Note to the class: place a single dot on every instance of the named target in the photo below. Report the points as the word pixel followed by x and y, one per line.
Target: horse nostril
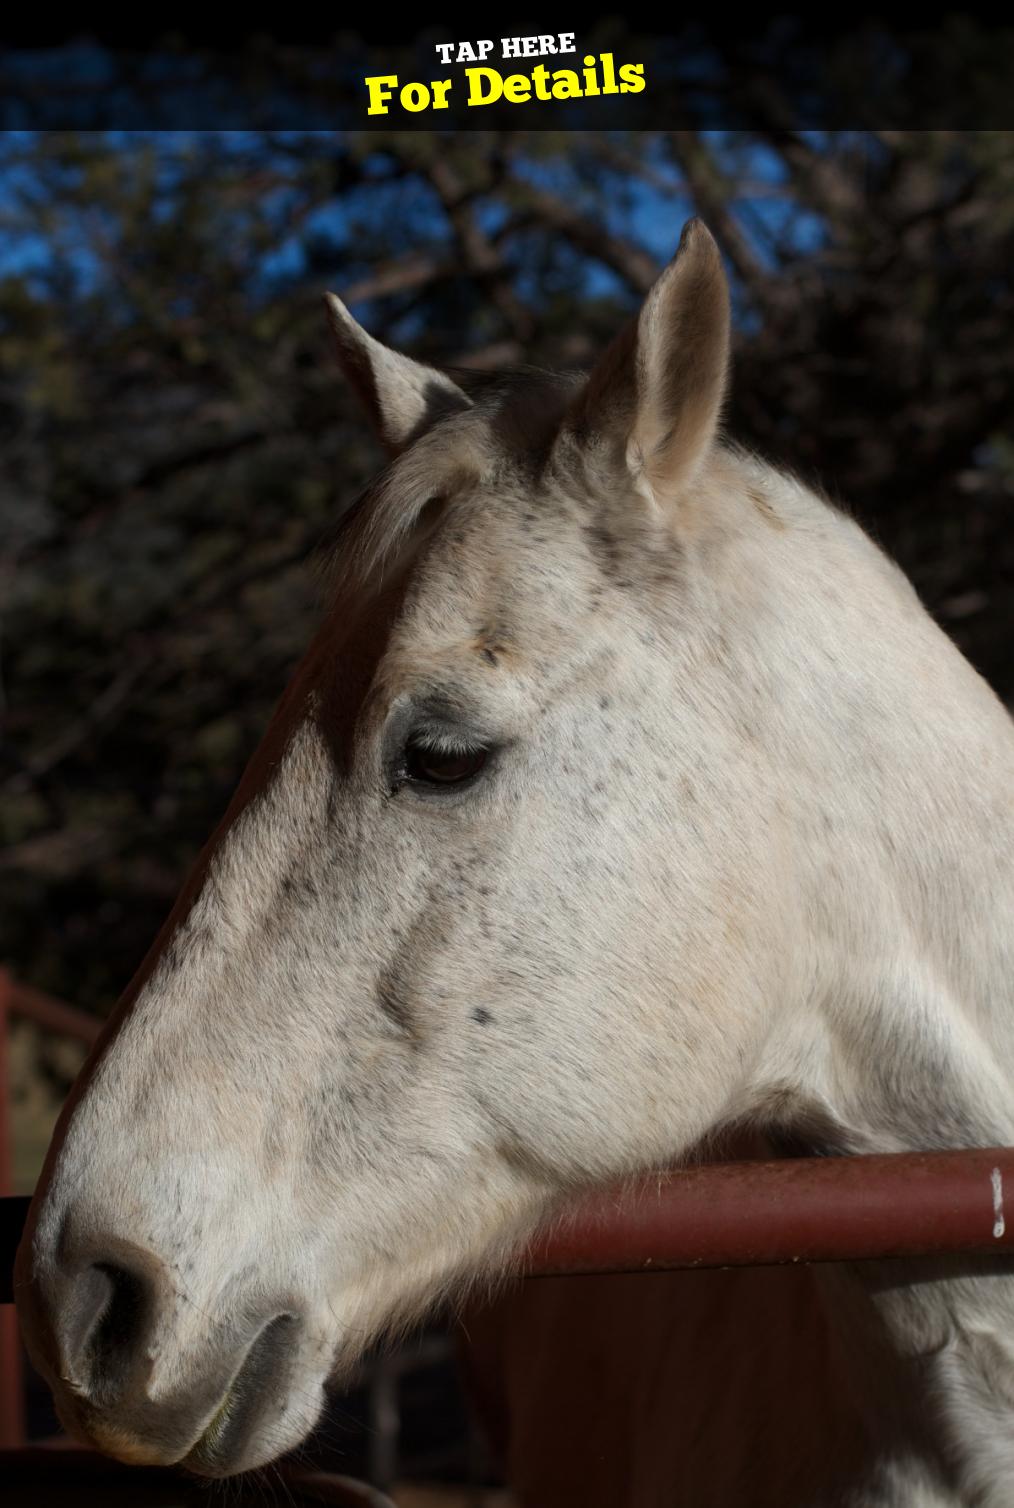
pixel 122 1319
pixel 107 1317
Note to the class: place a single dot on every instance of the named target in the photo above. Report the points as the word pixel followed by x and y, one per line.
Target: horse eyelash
pixel 445 741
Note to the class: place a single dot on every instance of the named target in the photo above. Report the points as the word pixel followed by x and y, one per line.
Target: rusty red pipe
pixel 52 1015
pixel 819 1209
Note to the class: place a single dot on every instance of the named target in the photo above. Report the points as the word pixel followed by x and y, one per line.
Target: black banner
pixel 864 72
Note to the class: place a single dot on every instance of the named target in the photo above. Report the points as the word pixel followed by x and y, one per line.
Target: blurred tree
pixel 175 440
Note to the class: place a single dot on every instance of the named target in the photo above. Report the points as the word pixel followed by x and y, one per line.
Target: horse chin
pixel 225 1456
pixel 252 1430
pixel 272 1404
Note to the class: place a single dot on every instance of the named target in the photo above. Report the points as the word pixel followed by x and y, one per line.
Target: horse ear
pixel 656 394
pixel 403 397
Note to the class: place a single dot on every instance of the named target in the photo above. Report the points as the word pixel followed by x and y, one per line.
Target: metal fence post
pixel 12 1392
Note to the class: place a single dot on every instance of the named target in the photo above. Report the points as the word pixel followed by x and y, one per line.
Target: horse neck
pixel 900 764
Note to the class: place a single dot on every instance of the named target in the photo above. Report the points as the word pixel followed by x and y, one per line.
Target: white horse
pixel 626 793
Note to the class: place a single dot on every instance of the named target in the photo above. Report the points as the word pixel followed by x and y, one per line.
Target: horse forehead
pixel 501 582
pixel 511 551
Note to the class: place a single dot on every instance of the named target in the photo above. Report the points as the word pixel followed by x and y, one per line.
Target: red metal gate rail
pixel 808 1209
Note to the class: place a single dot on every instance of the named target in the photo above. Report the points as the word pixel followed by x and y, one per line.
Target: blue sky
pixel 649 213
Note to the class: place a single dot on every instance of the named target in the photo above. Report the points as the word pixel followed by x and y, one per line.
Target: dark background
pixel 175 441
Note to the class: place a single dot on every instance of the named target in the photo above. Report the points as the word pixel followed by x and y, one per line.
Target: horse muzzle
pixel 140 1372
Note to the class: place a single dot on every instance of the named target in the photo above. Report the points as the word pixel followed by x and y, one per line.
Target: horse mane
pixel 518 409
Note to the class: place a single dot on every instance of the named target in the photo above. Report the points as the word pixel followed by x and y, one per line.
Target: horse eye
pixel 442 767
